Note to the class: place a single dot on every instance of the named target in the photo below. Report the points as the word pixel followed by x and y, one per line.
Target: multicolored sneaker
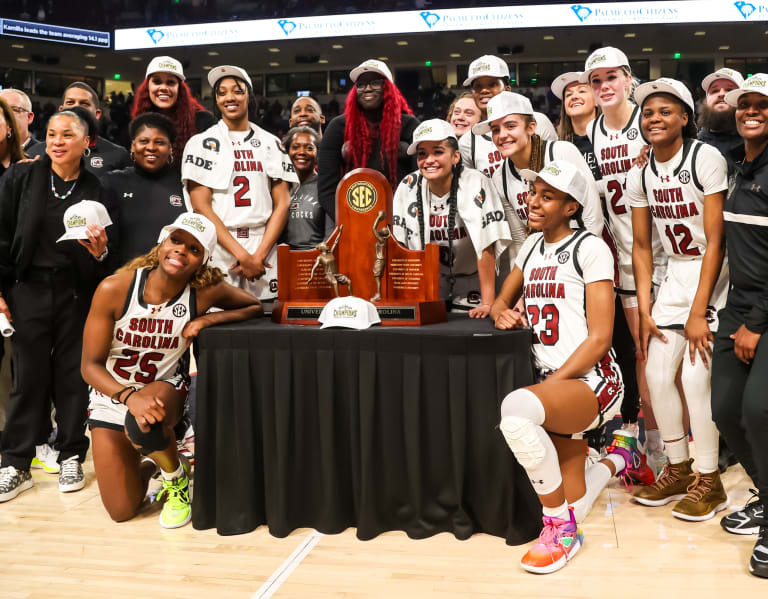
pixel 745 521
pixel 706 496
pixel 558 543
pixel 177 509
pixel 47 458
pixel 13 482
pixel 671 485
pixel 636 470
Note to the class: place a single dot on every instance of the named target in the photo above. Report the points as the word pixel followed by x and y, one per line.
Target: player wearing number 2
pixel 565 278
pixel 681 190
pixel 238 175
pixel 138 329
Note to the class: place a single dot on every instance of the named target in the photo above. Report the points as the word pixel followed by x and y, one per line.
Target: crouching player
pixel 141 321
pixel 565 277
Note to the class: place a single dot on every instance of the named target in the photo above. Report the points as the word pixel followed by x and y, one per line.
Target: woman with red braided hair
pixel 164 90
pixel 374 132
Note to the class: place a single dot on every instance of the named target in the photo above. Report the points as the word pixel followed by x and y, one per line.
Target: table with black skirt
pixel 390 428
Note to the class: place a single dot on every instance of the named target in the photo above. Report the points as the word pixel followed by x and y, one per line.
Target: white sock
pixel 597 476
pixel 171 475
pixel 617 460
pixel 560 511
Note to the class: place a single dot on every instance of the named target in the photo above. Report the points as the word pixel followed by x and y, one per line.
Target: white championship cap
pixel 431 130
pixel 558 85
pixel 604 58
pixel 165 64
pixel 561 175
pixel 227 71
pixel 757 83
pixel 196 225
pixel 370 66
pixel 500 106
pixel 349 312
pixel 78 216
pixel 723 73
pixel 486 66
pixel 665 85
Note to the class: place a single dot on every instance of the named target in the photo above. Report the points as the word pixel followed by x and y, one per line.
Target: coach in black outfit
pixel 740 358
pixel 46 289
pixel 104 155
pixel 148 194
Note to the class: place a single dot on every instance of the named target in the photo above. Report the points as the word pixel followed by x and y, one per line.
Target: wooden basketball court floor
pixel 65 545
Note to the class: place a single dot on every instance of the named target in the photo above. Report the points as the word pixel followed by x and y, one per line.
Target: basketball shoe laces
pixel 665 478
pixel 175 493
pixel 550 534
pixel 700 486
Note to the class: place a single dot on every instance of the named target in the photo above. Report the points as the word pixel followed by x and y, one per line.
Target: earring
pixel 132 158
pixel 87 152
pixel 170 160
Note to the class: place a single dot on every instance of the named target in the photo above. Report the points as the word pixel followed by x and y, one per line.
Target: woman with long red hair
pixel 164 90
pixel 374 132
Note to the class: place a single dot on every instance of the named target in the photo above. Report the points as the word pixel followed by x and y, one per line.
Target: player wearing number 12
pixel 681 190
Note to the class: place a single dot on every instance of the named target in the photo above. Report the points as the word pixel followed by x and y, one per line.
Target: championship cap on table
pixel 349 312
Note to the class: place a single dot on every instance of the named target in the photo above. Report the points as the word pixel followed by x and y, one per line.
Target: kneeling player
pixel 565 277
pixel 141 321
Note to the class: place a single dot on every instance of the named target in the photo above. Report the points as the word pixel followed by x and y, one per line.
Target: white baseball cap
pixel 227 71
pixel 500 106
pixel 431 130
pixel 78 216
pixel 486 66
pixel 603 58
pixel 757 83
pixel 370 66
pixel 165 64
pixel 558 85
pixel 349 312
pixel 561 175
pixel 723 73
pixel 196 225
pixel 665 85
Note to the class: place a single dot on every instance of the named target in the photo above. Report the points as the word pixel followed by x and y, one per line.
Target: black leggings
pixel 740 401
pixel 624 346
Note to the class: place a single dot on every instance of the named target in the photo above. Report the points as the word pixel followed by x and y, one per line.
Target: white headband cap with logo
pixel 563 81
pixel 215 74
pixel 723 73
pixel 165 64
pixel 78 216
pixel 502 105
pixel 486 66
pixel 370 66
pixel 196 225
pixel 665 85
pixel 431 130
pixel 561 175
pixel 604 58
pixel 757 84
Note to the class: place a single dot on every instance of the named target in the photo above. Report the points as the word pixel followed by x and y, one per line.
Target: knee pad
pixel 523 439
pixel 525 404
pixel 149 442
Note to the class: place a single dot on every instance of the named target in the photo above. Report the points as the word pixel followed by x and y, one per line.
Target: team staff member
pixel 136 400
pixel 104 156
pixel 165 91
pixel 238 176
pixel 488 76
pixel 46 289
pixel 308 224
pixel 455 207
pixel 11 150
pixel 740 358
pixel 717 124
pixel 22 110
pixel 374 132
pixel 680 191
pixel 149 194
pixel 306 112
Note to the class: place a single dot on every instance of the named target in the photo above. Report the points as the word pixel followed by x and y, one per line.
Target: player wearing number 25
pixel 134 357
pixel 239 176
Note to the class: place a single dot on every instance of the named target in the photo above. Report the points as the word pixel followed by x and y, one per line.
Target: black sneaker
pixel 747 520
pixel 13 482
pixel 71 477
pixel 758 563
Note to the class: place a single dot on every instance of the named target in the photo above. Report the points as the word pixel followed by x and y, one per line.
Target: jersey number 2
pixel 551 317
pixel 147 371
pixel 244 187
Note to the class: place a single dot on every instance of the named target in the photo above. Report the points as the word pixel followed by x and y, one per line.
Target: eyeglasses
pixel 374 84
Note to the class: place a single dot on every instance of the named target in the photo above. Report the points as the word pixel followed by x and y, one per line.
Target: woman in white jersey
pixel 141 321
pixel 681 191
pixel 238 176
pixel 510 122
pixel 565 278
pixel 445 203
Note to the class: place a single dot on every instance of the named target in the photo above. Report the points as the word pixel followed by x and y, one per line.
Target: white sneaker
pixel 71 477
pixel 13 482
pixel 46 457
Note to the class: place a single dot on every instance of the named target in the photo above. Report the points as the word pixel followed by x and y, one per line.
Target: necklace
pixel 66 195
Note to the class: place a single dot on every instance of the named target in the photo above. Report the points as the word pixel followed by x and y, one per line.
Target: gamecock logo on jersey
pixel 175 201
pixel 97 162
pixel 361 196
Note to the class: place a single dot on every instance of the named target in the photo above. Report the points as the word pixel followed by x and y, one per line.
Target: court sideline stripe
pixel 280 575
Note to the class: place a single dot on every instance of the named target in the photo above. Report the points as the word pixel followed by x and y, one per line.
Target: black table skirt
pixel 383 429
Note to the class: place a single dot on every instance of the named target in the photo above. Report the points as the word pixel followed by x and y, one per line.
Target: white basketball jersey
pixel 247 202
pixel 147 345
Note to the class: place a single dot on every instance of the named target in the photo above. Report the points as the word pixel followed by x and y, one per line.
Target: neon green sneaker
pixel 177 509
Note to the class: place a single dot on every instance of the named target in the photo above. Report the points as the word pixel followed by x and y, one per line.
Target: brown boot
pixel 671 485
pixel 706 496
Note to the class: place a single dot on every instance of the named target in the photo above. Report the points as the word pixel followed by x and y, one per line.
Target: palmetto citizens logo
pixel 581 11
pixel 287 26
pixel 430 18
pixel 745 8
pixel 155 35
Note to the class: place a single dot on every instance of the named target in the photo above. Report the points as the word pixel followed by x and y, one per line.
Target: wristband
pixel 117 397
pixel 125 401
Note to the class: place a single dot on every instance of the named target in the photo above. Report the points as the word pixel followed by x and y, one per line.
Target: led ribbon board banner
pixel 426 21
pixel 54 33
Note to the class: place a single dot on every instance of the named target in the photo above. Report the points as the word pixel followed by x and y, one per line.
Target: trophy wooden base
pixel 392 313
